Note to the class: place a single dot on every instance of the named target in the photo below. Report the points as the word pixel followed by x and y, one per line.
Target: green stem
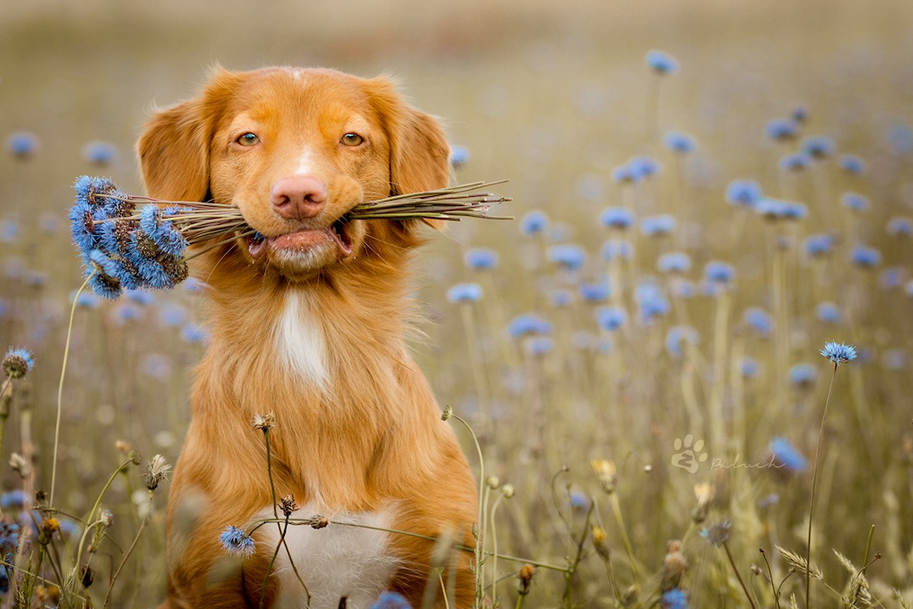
pixel 132 547
pixel 738 575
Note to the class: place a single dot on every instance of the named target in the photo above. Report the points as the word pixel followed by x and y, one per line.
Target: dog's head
pixel 294 150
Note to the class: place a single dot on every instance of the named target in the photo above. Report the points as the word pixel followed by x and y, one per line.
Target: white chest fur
pixel 333 562
pixel 300 340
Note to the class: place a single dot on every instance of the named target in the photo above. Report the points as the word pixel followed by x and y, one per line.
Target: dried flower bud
pixel 264 422
pixel 106 518
pixel 156 471
pixel 493 482
pixel 88 576
pixel 704 493
pixel 287 505
pixel 135 457
pixel 19 465
pixel 46 530
pixel 448 412
pixel 508 490
pixel 674 565
pixel 525 575
pixel 601 542
pixel 606 473
pixel 122 447
pixel 319 522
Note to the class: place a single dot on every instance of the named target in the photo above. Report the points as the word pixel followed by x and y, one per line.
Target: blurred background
pixel 555 97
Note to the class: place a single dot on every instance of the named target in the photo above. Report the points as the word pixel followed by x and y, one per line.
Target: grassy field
pixel 720 360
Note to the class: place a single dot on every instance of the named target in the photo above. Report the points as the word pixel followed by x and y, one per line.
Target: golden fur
pixel 372 437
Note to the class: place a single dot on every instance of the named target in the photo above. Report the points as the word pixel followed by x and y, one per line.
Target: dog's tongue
pixel 256 248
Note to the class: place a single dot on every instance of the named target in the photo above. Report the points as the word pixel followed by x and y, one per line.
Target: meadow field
pixel 638 352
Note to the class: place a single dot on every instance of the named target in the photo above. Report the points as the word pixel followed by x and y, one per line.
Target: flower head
pixel 781 129
pixel 481 258
pixel 100 153
pixel 458 155
pixel 717 534
pixel 616 217
pixel 839 353
pixel 465 292
pixel 523 325
pixel 391 600
pixel 674 599
pixel 655 226
pixel 795 161
pixel 661 63
pixel 744 193
pixel 854 201
pixel 674 262
pixel 22 144
pixel 595 292
pixel 865 257
pixel 17 362
pixel 851 163
pixel 818 245
pixel 156 472
pixel 719 272
pixel 264 422
pixel 803 375
pixel 786 455
pixel 235 541
pixel 533 223
pixel 611 318
pixel 759 319
pixel 680 142
pixel 818 146
pixel 571 257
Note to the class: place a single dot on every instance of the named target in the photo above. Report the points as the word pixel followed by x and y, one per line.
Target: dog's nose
pixel 299 196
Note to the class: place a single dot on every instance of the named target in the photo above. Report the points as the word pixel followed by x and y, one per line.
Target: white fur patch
pixel 305 163
pixel 333 562
pixel 300 340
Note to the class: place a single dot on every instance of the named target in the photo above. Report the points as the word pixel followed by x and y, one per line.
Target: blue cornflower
pixel 103 263
pixel 749 367
pixel 744 193
pixel 391 600
pixel 22 144
pixel 140 297
pixel 900 137
pixel 828 312
pixel 88 188
pixel 661 62
pixel 82 227
pixel 154 223
pixel 523 325
pixel 650 301
pixel 891 277
pixel 674 262
pixel 643 167
pixel 676 598
pixel 17 362
pixel 237 542
pixel 464 292
pixel 106 286
pixel 867 257
pixel 624 174
pixel 571 257
pixel 533 223
pixel 14 499
pixel 85 299
pixel 595 292
pixel 818 146
pixel 794 211
pixel 193 333
pixel 818 245
pixel 481 259
pixel 561 298
pixel 851 163
pixel 611 318
pixel 781 129
pixel 579 500
pixel 800 114
pixel 126 313
pixel 616 217
pixel 854 201
pixel 676 336
pixel 539 345
pixel 100 153
pixel 717 534
pixel 839 353
pixel 719 272
pixel 9 231
pixel 900 227
pixel 803 375
pixel 612 249
pixel 657 225
pixel 172 315
pixel 795 161
pixel 678 141
pixel 458 155
pixel 683 288
pixel 785 455
pixel 9 536
pixel 759 319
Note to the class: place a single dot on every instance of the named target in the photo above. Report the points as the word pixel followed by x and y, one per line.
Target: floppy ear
pixel 419 153
pixel 174 153
pixel 174 147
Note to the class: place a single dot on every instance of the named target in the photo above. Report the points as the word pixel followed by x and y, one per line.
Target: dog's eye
pixel 248 139
pixel 352 139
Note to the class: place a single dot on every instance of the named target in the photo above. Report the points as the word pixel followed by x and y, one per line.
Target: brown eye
pixel 352 139
pixel 248 139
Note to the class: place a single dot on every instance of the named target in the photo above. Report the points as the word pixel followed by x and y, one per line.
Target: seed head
pixel 236 542
pixel 17 362
pixel 264 422
pixel 674 565
pixel 156 471
pixel 606 473
pixel 525 575
pixel 601 542
pixel 839 353
pixel 319 522
pixel 288 505
pixel 448 412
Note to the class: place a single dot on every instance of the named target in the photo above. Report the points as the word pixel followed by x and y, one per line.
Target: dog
pixel 307 321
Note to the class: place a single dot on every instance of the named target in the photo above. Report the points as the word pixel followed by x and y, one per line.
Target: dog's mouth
pixel 336 235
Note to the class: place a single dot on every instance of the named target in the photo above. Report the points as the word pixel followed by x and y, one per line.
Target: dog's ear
pixel 419 153
pixel 174 147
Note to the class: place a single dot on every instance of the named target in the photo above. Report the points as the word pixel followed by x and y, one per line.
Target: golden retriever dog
pixel 307 322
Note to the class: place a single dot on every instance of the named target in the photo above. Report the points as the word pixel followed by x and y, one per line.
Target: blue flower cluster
pixel 123 250
pixel 237 542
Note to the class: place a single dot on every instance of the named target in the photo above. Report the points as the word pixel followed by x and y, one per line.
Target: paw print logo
pixel 688 454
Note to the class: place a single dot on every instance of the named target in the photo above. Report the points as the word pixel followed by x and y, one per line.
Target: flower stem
pixel 738 575
pixel 811 503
